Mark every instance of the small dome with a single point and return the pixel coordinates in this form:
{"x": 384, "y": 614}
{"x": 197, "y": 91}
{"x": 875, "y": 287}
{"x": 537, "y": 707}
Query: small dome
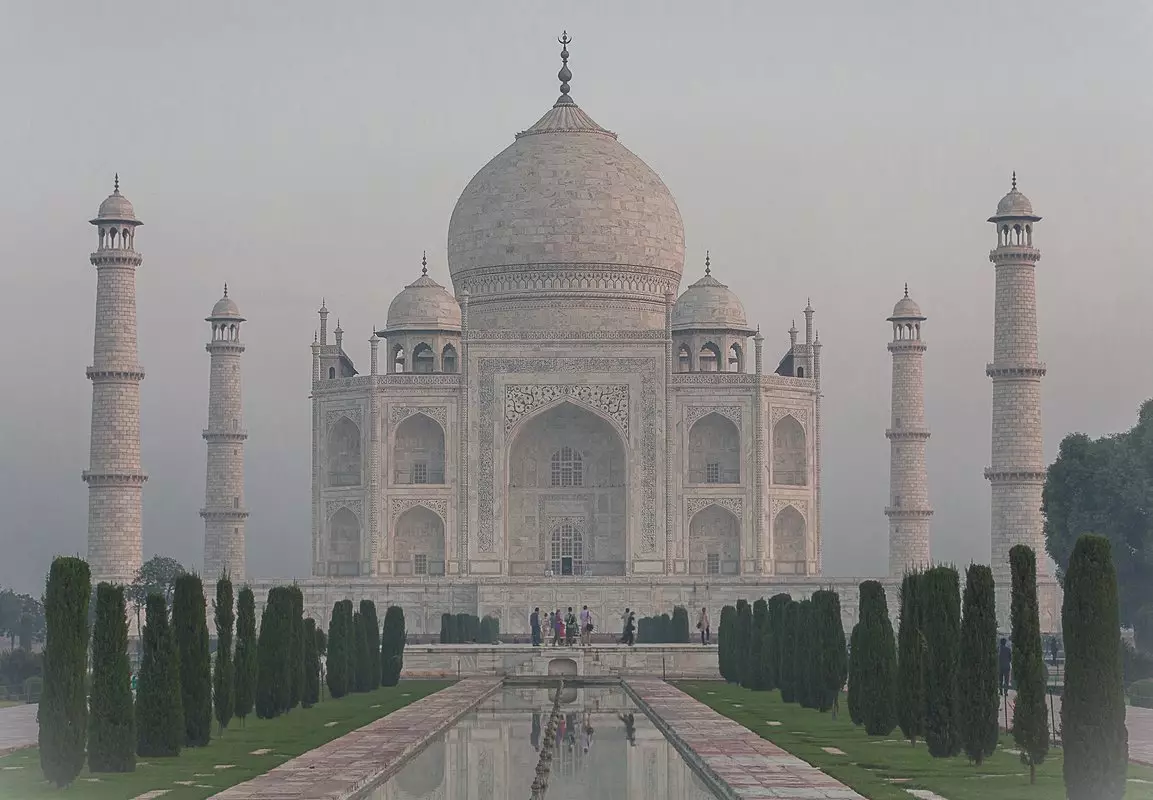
{"x": 708, "y": 303}
{"x": 116, "y": 207}
{"x": 225, "y": 308}
{"x": 906, "y": 308}
{"x": 423, "y": 305}
{"x": 1014, "y": 204}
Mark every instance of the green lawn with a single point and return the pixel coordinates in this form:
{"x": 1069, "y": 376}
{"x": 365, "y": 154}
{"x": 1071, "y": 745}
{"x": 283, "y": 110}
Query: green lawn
{"x": 870, "y": 764}
{"x": 286, "y": 737}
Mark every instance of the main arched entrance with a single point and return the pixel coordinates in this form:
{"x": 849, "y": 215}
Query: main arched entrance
{"x": 567, "y": 506}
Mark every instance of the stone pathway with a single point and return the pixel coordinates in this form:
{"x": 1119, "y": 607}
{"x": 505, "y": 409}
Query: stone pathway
{"x": 367, "y": 755}
{"x": 1139, "y": 721}
{"x": 18, "y": 728}
{"x": 753, "y": 767}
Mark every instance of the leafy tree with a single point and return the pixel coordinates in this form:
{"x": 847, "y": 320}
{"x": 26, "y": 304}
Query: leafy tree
{"x": 11, "y": 610}
{"x": 1105, "y": 486}
{"x": 743, "y": 641}
{"x": 1030, "y": 716}
{"x": 157, "y": 575}
{"x": 311, "y": 692}
{"x": 680, "y": 630}
{"x": 911, "y": 658}
{"x": 805, "y": 664}
{"x": 1096, "y": 743}
{"x": 446, "y": 628}
{"x": 942, "y": 619}
{"x": 978, "y": 681}
{"x": 372, "y": 669}
{"x": 63, "y": 713}
{"x": 339, "y": 648}
{"x": 726, "y": 641}
{"x": 245, "y": 659}
{"x": 22, "y": 617}
{"x": 159, "y": 711}
{"x": 111, "y": 725}
{"x": 787, "y": 677}
{"x": 392, "y": 646}
{"x": 190, "y": 623}
{"x": 757, "y": 678}
{"x": 272, "y": 652}
{"x": 223, "y": 676}
{"x": 295, "y": 664}
{"x": 856, "y": 673}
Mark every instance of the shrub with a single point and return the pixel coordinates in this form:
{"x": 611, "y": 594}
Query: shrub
{"x": 774, "y": 640}
{"x": 272, "y": 653}
{"x": 787, "y": 665}
{"x": 159, "y": 711}
{"x": 942, "y": 615}
{"x": 726, "y": 638}
{"x": 111, "y": 724}
{"x": 464, "y": 628}
{"x": 489, "y": 629}
{"x": 911, "y": 658}
{"x": 311, "y": 692}
{"x": 978, "y": 680}
{"x": 804, "y": 656}
{"x": 392, "y": 646}
{"x": 856, "y": 676}
{"x": 190, "y": 625}
{"x": 447, "y": 623}
{"x": 339, "y": 646}
{"x": 223, "y": 676}
{"x": 831, "y": 658}
{"x": 371, "y": 671}
{"x": 245, "y": 662}
{"x": 680, "y": 630}
{"x": 359, "y": 663}
{"x": 743, "y": 641}
{"x": 1096, "y": 744}
{"x": 876, "y": 662}
{"x": 756, "y": 670}
{"x": 1030, "y": 715}
{"x": 63, "y": 712}
{"x": 295, "y": 608}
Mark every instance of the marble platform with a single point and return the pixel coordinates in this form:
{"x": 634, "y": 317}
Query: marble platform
{"x": 671, "y": 661}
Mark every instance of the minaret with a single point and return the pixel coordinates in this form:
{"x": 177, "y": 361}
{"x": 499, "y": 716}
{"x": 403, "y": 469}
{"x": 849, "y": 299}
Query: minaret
{"x": 115, "y": 480}
{"x": 1017, "y": 472}
{"x": 224, "y": 511}
{"x": 908, "y": 510}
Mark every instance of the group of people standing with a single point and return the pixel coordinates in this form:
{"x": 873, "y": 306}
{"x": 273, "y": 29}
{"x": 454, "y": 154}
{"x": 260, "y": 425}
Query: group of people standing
{"x": 565, "y": 629}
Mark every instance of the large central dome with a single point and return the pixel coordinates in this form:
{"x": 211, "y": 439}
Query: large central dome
{"x": 564, "y": 221}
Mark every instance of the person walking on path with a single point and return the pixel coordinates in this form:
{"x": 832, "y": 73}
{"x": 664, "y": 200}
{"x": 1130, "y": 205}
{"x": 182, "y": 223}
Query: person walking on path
{"x": 534, "y": 626}
{"x": 1005, "y": 663}
{"x": 586, "y": 626}
{"x": 703, "y": 625}
{"x": 557, "y": 629}
{"x": 624, "y": 624}
{"x": 570, "y": 627}
{"x": 630, "y": 634}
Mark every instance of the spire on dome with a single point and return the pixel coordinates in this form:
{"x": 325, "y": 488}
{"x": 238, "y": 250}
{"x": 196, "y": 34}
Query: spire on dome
{"x": 906, "y": 288}
{"x": 708, "y": 264}
{"x": 1014, "y": 179}
{"x": 116, "y": 184}
{"x": 565, "y": 75}
{"x": 424, "y": 262}
{"x": 226, "y": 290}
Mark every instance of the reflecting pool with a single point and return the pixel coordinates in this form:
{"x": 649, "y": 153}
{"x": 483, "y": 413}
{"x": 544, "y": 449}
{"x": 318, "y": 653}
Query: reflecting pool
{"x": 607, "y": 749}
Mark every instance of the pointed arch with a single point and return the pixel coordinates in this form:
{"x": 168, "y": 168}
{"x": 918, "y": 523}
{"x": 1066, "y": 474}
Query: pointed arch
{"x": 423, "y": 359}
{"x": 418, "y": 535}
{"x": 709, "y": 357}
{"x": 398, "y": 361}
{"x": 418, "y": 451}
{"x": 790, "y": 453}
{"x": 714, "y": 542}
{"x": 448, "y": 359}
{"x": 344, "y": 543}
{"x": 790, "y": 542}
{"x": 345, "y": 463}
{"x": 736, "y": 357}
{"x": 714, "y": 450}
{"x": 684, "y": 358}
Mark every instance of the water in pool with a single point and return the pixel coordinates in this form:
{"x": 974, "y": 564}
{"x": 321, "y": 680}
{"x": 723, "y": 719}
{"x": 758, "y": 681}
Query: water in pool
{"x": 607, "y": 749}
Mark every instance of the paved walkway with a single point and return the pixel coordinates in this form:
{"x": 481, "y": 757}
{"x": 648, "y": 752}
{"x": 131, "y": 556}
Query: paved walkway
{"x": 1139, "y": 722}
{"x": 18, "y": 728}
{"x": 367, "y": 755}
{"x": 753, "y": 767}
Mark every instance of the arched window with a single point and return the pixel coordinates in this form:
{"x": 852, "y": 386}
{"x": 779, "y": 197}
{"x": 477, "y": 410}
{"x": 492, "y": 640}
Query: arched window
{"x": 343, "y": 447}
{"x": 331, "y": 373}
{"x": 419, "y": 542}
{"x": 789, "y": 542}
{"x": 423, "y": 359}
{"x": 567, "y": 468}
{"x": 736, "y": 358}
{"x": 800, "y": 372}
{"x": 448, "y": 359}
{"x": 684, "y": 359}
{"x": 714, "y": 542}
{"x": 418, "y": 452}
{"x": 398, "y": 359}
{"x": 344, "y": 543}
{"x": 790, "y": 456}
{"x": 568, "y": 550}
{"x": 714, "y": 450}
{"x": 709, "y": 358}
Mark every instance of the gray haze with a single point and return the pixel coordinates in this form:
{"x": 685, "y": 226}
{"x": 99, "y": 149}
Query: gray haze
{"x": 300, "y": 149}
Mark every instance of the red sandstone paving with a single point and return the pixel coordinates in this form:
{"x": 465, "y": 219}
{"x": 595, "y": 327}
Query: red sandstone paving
{"x": 1138, "y": 721}
{"x": 752, "y": 766}
{"x": 366, "y": 755}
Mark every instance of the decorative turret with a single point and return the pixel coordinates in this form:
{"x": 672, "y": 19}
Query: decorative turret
{"x": 423, "y": 327}
{"x": 709, "y": 327}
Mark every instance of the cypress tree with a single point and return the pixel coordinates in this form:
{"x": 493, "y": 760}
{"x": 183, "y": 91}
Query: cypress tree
{"x": 223, "y": 676}
{"x": 911, "y": 658}
{"x": 757, "y": 679}
{"x": 978, "y": 682}
{"x": 942, "y": 615}
{"x": 111, "y": 723}
{"x": 1093, "y": 729}
{"x": 273, "y": 673}
{"x": 446, "y": 628}
{"x": 856, "y": 673}
{"x": 1030, "y": 716}
{"x": 159, "y": 711}
{"x": 831, "y": 659}
{"x": 338, "y": 648}
{"x": 245, "y": 663}
{"x": 359, "y": 663}
{"x": 311, "y": 693}
{"x": 392, "y": 646}
{"x": 787, "y": 653}
{"x": 372, "y": 635}
{"x": 875, "y": 656}
{"x": 774, "y": 641}
{"x": 741, "y": 659}
{"x": 463, "y": 631}
{"x": 680, "y": 633}
{"x": 726, "y": 638}
{"x": 63, "y": 712}
{"x": 804, "y": 666}
{"x": 190, "y": 624}
{"x": 294, "y": 599}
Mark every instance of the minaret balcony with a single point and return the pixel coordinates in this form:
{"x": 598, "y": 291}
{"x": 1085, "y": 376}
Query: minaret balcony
{"x": 907, "y": 346}
{"x": 115, "y": 258}
{"x": 114, "y": 375}
{"x": 895, "y": 512}
{"x": 112, "y": 477}
{"x": 1014, "y": 475}
{"x": 210, "y": 435}
{"x": 907, "y": 434}
{"x": 224, "y": 347}
{"x": 224, "y": 514}
{"x": 1011, "y": 253}
{"x": 1008, "y": 369}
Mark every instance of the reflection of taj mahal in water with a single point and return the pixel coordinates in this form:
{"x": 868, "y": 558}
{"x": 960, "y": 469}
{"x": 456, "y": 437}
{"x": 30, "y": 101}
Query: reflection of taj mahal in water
{"x": 492, "y": 754}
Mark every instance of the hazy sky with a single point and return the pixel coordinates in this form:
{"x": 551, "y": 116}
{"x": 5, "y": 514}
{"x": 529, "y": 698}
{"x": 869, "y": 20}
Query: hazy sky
{"x": 831, "y": 150}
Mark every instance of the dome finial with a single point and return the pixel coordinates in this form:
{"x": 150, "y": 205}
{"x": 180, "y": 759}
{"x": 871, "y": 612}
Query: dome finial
{"x": 906, "y": 288}
{"x": 565, "y": 75}
{"x": 424, "y": 262}
{"x": 116, "y": 184}
{"x": 226, "y": 290}
{"x": 1014, "y": 180}
{"x": 708, "y": 264}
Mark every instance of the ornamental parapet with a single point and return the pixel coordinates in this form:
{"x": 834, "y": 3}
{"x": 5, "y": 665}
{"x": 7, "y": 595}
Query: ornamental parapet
{"x": 233, "y": 514}
{"x": 741, "y": 379}
{"x": 210, "y": 435}
{"x": 1004, "y": 369}
{"x": 114, "y": 375}
{"x": 224, "y": 348}
{"x": 1010, "y": 254}
{"x": 894, "y": 512}
{"x": 907, "y": 346}
{"x": 907, "y": 434}
{"x": 115, "y": 258}
{"x": 335, "y": 385}
{"x": 1014, "y": 475}
{"x": 114, "y": 477}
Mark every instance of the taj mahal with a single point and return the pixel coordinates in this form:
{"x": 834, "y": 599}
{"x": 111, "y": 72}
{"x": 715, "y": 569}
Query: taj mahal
{"x": 570, "y": 415}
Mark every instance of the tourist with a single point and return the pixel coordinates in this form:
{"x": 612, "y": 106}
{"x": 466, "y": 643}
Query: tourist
{"x": 557, "y": 629}
{"x": 570, "y": 627}
{"x": 534, "y": 625}
{"x": 630, "y": 635}
{"x": 1005, "y": 658}
{"x": 703, "y": 625}
{"x": 624, "y": 623}
{"x": 630, "y": 728}
{"x": 534, "y": 737}
{"x": 586, "y": 626}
